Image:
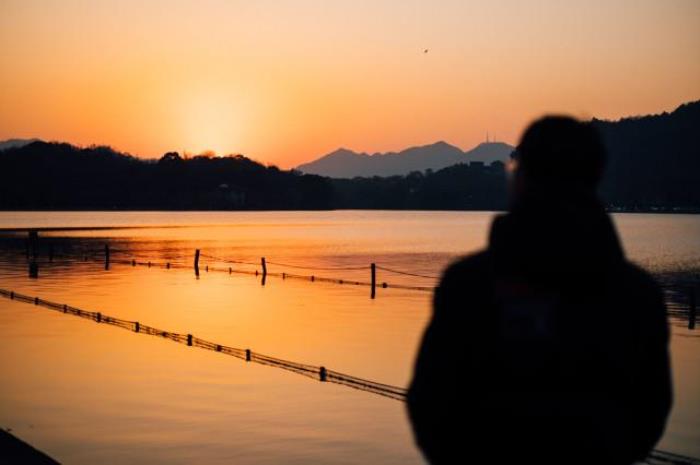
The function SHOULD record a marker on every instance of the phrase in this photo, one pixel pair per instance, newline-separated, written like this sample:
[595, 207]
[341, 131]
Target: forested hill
[49, 176]
[654, 165]
[654, 160]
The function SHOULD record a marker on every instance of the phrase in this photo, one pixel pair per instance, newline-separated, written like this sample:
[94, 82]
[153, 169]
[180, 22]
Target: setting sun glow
[286, 81]
[210, 120]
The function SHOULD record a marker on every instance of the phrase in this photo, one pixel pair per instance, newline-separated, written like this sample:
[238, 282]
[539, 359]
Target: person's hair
[561, 152]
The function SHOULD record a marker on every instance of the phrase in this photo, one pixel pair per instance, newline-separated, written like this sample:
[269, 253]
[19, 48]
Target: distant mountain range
[344, 163]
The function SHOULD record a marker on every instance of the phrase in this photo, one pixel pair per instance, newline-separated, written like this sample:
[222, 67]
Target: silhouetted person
[548, 346]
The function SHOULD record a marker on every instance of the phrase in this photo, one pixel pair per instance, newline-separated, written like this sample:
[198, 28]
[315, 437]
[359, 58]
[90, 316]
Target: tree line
[654, 165]
[55, 176]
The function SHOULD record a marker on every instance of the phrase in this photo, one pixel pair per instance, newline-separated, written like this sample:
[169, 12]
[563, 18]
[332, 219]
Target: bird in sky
[425, 51]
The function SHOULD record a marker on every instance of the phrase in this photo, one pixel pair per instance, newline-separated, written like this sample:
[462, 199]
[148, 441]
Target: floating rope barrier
[287, 265]
[680, 298]
[322, 268]
[313, 278]
[228, 260]
[318, 372]
[390, 270]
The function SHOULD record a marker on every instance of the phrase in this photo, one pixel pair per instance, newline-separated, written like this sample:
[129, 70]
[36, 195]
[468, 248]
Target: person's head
[558, 155]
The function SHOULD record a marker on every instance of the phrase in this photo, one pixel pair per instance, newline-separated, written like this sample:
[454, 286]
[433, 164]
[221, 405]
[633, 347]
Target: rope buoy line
[317, 372]
[320, 373]
[406, 273]
[284, 275]
[675, 309]
[288, 265]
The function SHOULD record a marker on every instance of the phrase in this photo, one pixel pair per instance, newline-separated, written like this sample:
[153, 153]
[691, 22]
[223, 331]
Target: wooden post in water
[264, 270]
[373, 268]
[33, 243]
[189, 339]
[33, 269]
[196, 262]
[106, 256]
[247, 355]
[693, 308]
[322, 375]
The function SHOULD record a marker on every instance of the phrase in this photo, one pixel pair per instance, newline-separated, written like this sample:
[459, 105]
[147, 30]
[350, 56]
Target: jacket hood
[552, 240]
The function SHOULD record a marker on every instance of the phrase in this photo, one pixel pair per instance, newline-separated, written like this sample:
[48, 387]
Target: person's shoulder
[639, 279]
[645, 303]
[460, 283]
[468, 266]
[642, 293]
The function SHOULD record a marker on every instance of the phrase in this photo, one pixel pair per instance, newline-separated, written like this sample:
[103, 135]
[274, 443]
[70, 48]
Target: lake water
[88, 393]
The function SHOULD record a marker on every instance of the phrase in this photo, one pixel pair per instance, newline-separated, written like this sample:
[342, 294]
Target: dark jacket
[548, 347]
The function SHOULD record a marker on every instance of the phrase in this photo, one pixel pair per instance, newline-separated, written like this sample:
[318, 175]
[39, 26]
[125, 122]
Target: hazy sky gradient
[286, 81]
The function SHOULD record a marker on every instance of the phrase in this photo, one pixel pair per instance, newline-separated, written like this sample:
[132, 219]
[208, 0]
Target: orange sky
[286, 81]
